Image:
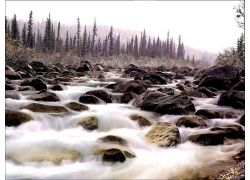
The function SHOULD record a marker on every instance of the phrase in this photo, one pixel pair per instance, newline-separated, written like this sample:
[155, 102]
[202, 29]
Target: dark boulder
[235, 99]
[37, 83]
[230, 131]
[191, 121]
[11, 74]
[26, 88]
[39, 66]
[193, 93]
[135, 86]
[15, 118]
[9, 87]
[168, 91]
[206, 91]
[208, 114]
[44, 96]
[100, 94]
[84, 66]
[240, 86]
[127, 97]
[142, 121]
[57, 87]
[90, 99]
[210, 138]
[45, 108]
[241, 120]
[89, 123]
[164, 104]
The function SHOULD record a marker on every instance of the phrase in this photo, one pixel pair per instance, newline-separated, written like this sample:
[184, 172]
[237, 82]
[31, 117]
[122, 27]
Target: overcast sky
[204, 25]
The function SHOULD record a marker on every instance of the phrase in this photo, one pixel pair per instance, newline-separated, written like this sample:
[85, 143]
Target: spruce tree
[14, 29]
[93, 37]
[149, 47]
[105, 47]
[117, 45]
[67, 42]
[24, 35]
[71, 43]
[136, 55]
[89, 44]
[30, 39]
[153, 54]
[84, 42]
[132, 46]
[182, 51]
[168, 46]
[111, 42]
[58, 41]
[179, 49]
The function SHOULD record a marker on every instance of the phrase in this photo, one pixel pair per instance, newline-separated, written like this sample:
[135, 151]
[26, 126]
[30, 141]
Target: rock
[240, 156]
[210, 138]
[163, 134]
[90, 99]
[208, 114]
[9, 87]
[168, 91]
[142, 121]
[26, 88]
[139, 72]
[57, 87]
[230, 115]
[60, 66]
[44, 96]
[240, 86]
[135, 86]
[193, 94]
[11, 74]
[164, 104]
[114, 153]
[191, 121]
[222, 78]
[98, 67]
[235, 99]
[37, 83]
[155, 79]
[100, 76]
[84, 66]
[100, 94]
[241, 120]
[39, 66]
[113, 139]
[206, 91]
[230, 131]
[89, 123]
[76, 106]
[236, 172]
[44, 108]
[127, 97]
[15, 118]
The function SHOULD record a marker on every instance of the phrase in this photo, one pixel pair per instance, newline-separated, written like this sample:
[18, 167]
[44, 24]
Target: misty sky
[204, 25]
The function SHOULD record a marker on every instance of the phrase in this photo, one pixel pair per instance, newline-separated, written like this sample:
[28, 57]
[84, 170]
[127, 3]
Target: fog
[208, 25]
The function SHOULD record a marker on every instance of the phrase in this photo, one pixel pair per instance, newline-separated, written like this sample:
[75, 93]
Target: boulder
[193, 94]
[113, 139]
[230, 115]
[206, 91]
[37, 83]
[164, 134]
[15, 118]
[9, 87]
[76, 106]
[26, 88]
[89, 123]
[113, 153]
[210, 138]
[127, 97]
[90, 99]
[44, 96]
[11, 74]
[235, 99]
[240, 86]
[236, 172]
[142, 121]
[57, 87]
[208, 114]
[135, 86]
[39, 66]
[230, 131]
[241, 120]
[155, 79]
[168, 91]
[100, 94]
[45, 108]
[222, 78]
[164, 104]
[191, 121]
[84, 66]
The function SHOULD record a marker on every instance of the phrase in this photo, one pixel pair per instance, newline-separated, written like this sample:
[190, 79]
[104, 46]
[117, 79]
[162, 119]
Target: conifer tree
[71, 43]
[89, 44]
[132, 46]
[30, 39]
[136, 55]
[58, 41]
[111, 42]
[188, 59]
[74, 42]
[171, 48]
[105, 47]
[14, 29]
[99, 47]
[93, 37]
[24, 35]
[174, 52]
[117, 45]
[84, 42]
[144, 44]
[168, 46]
[149, 47]
[67, 42]
[78, 36]
[182, 51]
[153, 49]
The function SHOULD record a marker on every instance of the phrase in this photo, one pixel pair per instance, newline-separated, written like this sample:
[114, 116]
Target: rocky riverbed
[91, 121]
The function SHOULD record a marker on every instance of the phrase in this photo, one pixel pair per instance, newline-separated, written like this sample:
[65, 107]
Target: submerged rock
[76, 106]
[57, 87]
[100, 94]
[191, 121]
[45, 108]
[163, 134]
[44, 96]
[89, 123]
[90, 99]
[113, 139]
[15, 118]
[142, 121]
[114, 153]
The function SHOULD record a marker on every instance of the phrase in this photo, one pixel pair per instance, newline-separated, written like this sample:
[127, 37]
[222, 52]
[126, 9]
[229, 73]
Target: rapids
[33, 148]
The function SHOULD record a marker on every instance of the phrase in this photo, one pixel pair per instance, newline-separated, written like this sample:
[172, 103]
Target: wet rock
[37, 83]
[235, 99]
[76, 106]
[90, 99]
[44, 96]
[135, 86]
[240, 86]
[210, 138]
[142, 121]
[26, 88]
[222, 78]
[114, 153]
[230, 131]
[164, 104]
[236, 172]
[206, 91]
[182, 70]
[113, 139]
[15, 118]
[168, 91]
[98, 67]
[208, 114]
[89, 123]
[57, 87]
[11, 74]
[230, 115]
[132, 68]
[45, 108]
[100, 94]
[163, 134]
[9, 87]
[240, 156]
[191, 121]
[60, 66]
[193, 94]
[100, 76]
[84, 66]
[241, 120]
[39, 66]
[155, 79]
[127, 97]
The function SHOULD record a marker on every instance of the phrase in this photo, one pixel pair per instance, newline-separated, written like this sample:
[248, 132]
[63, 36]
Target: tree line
[86, 43]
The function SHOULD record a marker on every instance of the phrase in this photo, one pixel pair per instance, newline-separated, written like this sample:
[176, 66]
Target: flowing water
[33, 148]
